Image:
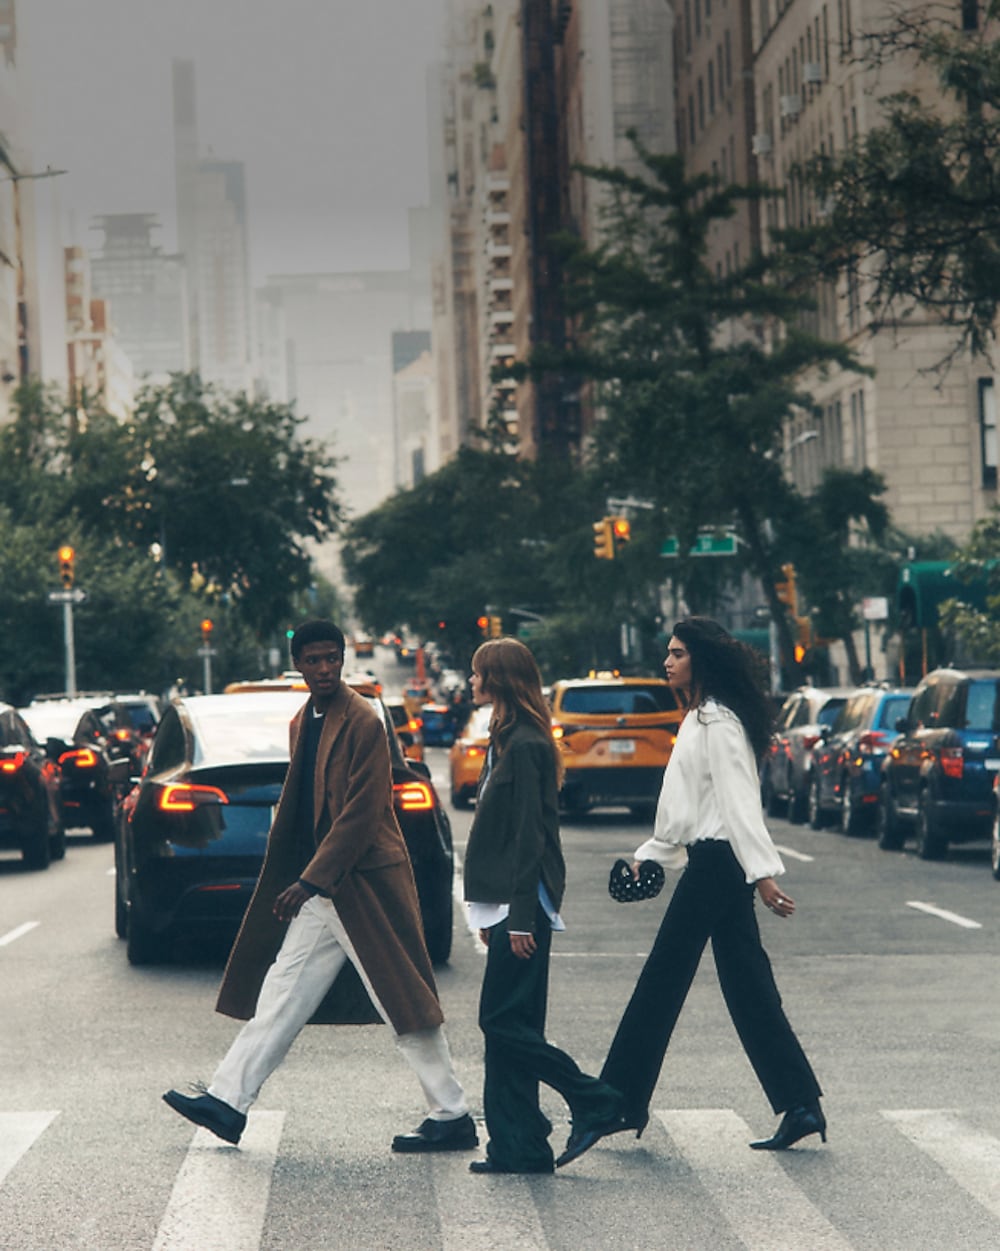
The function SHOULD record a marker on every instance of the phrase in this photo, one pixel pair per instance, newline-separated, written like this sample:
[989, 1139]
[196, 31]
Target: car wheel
[995, 850]
[103, 828]
[37, 853]
[143, 946]
[850, 817]
[798, 805]
[931, 844]
[889, 831]
[817, 817]
[57, 842]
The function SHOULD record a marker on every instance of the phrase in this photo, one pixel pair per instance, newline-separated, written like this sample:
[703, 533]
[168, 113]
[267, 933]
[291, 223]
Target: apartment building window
[729, 61]
[970, 14]
[687, 25]
[701, 104]
[988, 431]
[711, 89]
[720, 72]
[691, 119]
[765, 17]
[859, 434]
[853, 301]
[826, 44]
[697, 18]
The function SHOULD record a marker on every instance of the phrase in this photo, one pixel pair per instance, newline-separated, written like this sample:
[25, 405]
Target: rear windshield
[980, 706]
[893, 707]
[621, 700]
[829, 712]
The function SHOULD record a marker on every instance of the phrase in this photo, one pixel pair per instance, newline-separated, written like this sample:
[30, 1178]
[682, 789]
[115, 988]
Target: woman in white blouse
[709, 822]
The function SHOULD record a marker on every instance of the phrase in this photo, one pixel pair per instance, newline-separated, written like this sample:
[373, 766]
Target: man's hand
[290, 901]
[523, 946]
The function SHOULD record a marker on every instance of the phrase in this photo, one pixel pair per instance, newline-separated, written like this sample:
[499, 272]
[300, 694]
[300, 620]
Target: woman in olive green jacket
[514, 881]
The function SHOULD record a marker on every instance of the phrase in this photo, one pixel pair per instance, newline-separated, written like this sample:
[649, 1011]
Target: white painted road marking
[12, 935]
[508, 1219]
[18, 1131]
[954, 917]
[220, 1198]
[968, 1156]
[795, 855]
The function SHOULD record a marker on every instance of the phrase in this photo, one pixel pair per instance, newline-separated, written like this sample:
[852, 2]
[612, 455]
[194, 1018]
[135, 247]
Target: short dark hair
[316, 631]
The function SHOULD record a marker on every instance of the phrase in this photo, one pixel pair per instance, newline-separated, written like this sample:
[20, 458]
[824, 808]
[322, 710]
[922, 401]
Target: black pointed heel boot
[795, 1124]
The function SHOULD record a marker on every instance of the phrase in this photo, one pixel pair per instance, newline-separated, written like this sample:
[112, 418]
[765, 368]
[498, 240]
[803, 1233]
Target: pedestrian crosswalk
[690, 1185]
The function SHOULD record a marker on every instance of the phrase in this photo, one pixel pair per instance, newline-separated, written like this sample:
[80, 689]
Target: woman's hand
[523, 946]
[774, 898]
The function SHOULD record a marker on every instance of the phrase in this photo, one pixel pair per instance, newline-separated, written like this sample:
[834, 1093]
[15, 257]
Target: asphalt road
[895, 1004]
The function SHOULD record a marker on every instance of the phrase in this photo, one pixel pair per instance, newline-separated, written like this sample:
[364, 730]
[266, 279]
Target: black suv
[30, 820]
[938, 776]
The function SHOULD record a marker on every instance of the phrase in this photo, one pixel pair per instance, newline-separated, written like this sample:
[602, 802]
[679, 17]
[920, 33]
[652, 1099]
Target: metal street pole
[69, 646]
[206, 668]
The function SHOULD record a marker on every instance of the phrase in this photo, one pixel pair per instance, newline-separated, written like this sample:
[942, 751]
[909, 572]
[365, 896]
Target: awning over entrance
[925, 585]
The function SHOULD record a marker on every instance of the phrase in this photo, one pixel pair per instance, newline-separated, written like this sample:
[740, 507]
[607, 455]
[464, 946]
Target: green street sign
[708, 544]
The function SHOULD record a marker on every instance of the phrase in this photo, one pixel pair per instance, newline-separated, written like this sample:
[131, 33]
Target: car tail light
[557, 730]
[951, 762]
[414, 725]
[181, 797]
[11, 764]
[413, 796]
[122, 736]
[473, 752]
[83, 758]
[872, 741]
[809, 741]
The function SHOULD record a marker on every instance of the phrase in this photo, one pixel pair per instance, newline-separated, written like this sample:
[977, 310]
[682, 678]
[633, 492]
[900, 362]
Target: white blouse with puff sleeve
[711, 791]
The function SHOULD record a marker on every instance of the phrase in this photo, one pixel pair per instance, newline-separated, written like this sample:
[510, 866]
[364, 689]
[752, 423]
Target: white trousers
[314, 951]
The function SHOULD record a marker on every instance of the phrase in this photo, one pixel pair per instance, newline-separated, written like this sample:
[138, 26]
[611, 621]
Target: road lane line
[970, 1157]
[795, 855]
[943, 913]
[220, 1197]
[762, 1204]
[12, 935]
[486, 1213]
[18, 1131]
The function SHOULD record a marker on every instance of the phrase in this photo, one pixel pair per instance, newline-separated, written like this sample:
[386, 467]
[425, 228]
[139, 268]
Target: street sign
[711, 543]
[875, 608]
[76, 596]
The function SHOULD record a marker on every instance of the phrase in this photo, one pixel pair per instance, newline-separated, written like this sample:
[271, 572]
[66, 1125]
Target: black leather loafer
[457, 1135]
[490, 1166]
[210, 1113]
[795, 1124]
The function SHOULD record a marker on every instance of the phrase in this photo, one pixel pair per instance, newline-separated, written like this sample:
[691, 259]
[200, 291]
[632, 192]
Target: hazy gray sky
[323, 100]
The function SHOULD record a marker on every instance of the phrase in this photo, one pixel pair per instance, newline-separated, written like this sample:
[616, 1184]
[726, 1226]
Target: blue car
[847, 761]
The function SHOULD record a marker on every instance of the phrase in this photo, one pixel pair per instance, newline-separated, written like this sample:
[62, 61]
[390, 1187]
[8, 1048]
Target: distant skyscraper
[147, 292]
[212, 237]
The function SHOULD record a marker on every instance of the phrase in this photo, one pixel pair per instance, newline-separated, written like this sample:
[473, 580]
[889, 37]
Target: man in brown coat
[333, 933]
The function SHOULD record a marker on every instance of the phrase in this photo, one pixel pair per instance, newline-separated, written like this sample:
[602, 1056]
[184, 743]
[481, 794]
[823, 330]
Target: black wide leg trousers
[713, 901]
[512, 1009]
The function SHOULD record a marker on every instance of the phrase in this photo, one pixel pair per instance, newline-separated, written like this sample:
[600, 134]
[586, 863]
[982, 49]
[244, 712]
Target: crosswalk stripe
[474, 1210]
[762, 1204]
[13, 935]
[18, 1130]
[968, 1156]
[220, 1197]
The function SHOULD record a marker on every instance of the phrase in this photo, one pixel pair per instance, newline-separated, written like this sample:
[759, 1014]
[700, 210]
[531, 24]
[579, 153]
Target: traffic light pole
[69, 646]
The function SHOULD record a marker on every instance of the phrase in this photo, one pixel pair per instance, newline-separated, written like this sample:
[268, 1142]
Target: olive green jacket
[514, 840]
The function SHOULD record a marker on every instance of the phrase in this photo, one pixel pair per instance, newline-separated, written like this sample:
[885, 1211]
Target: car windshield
[618, 700]
[829, 712]
[231, 729]
[980, 706]
[141, 717]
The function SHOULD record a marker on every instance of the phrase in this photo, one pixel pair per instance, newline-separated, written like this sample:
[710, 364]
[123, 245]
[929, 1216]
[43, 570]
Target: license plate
[622, 747]
[992, 765]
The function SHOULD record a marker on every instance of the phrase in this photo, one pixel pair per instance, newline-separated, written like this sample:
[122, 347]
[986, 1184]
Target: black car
[193, 831]
[937, 780]
[84, 736]
[847, 761]
[30, 818]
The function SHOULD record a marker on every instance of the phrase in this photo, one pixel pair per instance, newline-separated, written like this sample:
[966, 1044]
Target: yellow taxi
[616, 735]
[467, 755]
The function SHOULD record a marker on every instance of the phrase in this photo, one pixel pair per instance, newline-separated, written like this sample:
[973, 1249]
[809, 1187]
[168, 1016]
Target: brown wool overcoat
[361, 862]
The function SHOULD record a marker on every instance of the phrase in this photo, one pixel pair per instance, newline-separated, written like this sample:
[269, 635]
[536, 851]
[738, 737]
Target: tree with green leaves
[696, 373]
[911, 211]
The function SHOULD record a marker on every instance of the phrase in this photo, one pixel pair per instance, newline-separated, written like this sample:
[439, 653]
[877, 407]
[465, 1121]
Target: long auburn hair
[725, 669]
[511, 680]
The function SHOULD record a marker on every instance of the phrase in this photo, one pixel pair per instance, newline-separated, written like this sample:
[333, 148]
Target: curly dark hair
[729, 671]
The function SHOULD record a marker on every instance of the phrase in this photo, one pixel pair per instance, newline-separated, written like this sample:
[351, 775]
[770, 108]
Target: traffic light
[66, 558]
[206, 631]
[803, 638]
[496, 627]
[621, 531]
[786, 591]
[484, 626]
[604, 539]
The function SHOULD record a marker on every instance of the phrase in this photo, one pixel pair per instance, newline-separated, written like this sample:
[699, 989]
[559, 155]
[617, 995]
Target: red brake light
[951, 762]
[413, 796]
[122, 735]
[11, 764]
[873, 740]
[472, 752]
[414, 724]
[809, 741]
[180, 797]
[84, 758]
